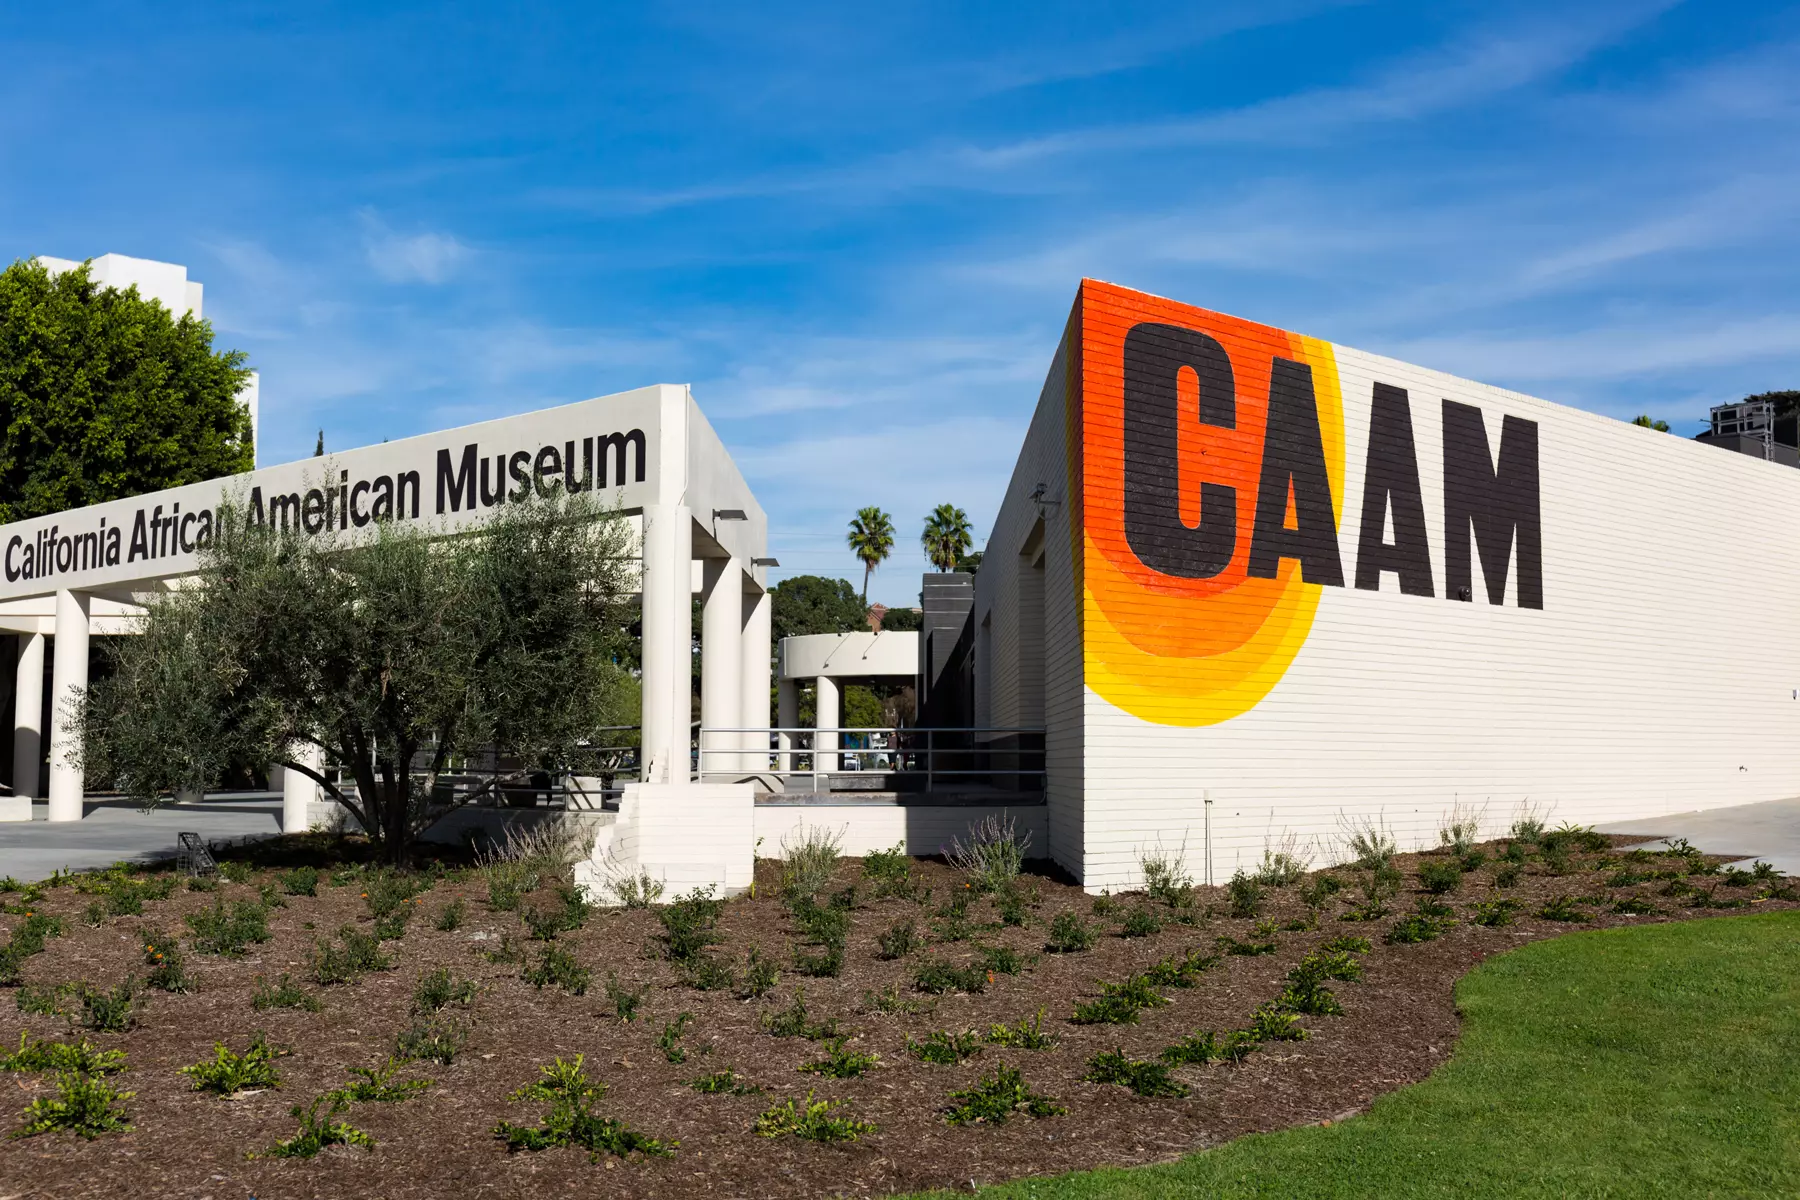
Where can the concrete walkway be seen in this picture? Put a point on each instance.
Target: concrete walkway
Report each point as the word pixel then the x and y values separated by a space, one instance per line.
pixel 116 829
pixel 1769 831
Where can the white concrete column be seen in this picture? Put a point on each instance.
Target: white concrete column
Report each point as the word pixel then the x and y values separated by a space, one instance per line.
pixel 299 790
pixel 753 709
pixel 68 680
pixel 722 660
pixel 787 715
pixel 668 641
pixel 28 715
pixel 825 716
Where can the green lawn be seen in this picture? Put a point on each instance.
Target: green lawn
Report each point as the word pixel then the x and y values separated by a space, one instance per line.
pixel 1662 1060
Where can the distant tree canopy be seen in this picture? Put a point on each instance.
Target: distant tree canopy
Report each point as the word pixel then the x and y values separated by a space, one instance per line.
pixel 1644 421
pixel 901 620
pixel 815 604
pixel 1786 403
pixel 105 395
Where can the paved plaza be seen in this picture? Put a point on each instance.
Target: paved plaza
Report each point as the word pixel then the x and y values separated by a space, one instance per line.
pixel 114 830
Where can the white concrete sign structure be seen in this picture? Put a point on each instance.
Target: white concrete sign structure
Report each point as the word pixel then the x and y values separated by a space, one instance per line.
pixel 650 453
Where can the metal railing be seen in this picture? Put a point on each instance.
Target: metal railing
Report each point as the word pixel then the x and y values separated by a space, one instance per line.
pixel 888 759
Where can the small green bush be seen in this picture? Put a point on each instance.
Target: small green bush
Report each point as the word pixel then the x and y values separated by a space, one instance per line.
pixel 1415 928
pixel 571 1121
pixel 1182 971
pixel 168 966
pixel 1562 908
pixel 450 917
pixel 1243 895
pixel 317 1132
pixel 625 1001
pixel 898 941
pixel 1323 887
pixel 1636 906
pixel 890 871
pixel 997 1097
pixel 229 930
pixel 1166 878
pixel 83 1057
pixel 708 973
pixel 809 856
pixel 375 1085
pixel 760 976
pixel 1280 869
pixel 1272 1024
pixel 285 994
pixel 814 1120
pixel 1069 934
pixel 107 1010
pixel 688 924
pixel 793 1021
pixel 945 1048
pixel 354 955
pixel 992 855
pixel 889 1000
pixel 1195 1048
pixel 85 1105
pixel 1023 1034
pixel 431 1039
pixel 1143 1078
pixel 301 881
pixel 669 1040
pixel 1495 913
pixel 1440 877
pixel 1002 960
pixel 1507 876
pixel 841 1063
pixel 1230 945
pixel 1140 922
pixel 937 977
pixel 722 1083
pixel 227 1074
pixel 439 988
pixel 557 966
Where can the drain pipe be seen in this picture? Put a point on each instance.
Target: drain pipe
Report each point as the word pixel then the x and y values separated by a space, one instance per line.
pixel 1206 807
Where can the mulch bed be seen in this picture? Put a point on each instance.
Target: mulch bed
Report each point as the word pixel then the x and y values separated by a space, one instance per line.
pixel 1399 1023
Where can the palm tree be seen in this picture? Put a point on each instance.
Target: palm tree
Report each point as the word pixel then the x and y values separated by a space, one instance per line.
pixel 946 538
pixel 871 537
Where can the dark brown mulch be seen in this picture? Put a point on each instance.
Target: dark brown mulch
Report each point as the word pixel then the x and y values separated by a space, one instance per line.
pixel 1399 1024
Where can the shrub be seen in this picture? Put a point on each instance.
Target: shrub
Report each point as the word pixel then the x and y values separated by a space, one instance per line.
pixel 635 891
pixel 228 1074
pixel 1195 1048
pixel 688 924
pixel 669 1040
pixel 317 1132
pixel 354 955
pixel 1011 905
pixel 1166 878
pixel 508 882
pixel 46 1002
pixel 1556 857
pixel 889 1000
pixel 1069 934
pixel 82 1057
pixel 1023 1034
pixel 953 924
pixel 1002 960
pixel 625 1001
pixel 1507 876
pixel 823 963
pixel 392 927
pixel 945 1048
pixel 760 976
pixel 1440 878
pixel 84 1104
pixel 1246 949
pixel 1272 1024
pixel 1370 843
pixel 1324 886
pixel 1529 826
pixel 1244 895
pixel 792 1021
pixel 993 854
pixel 937 978
pixel 372 1085
pixel 1495 913
pixel 898 941
pixel 890 871
pixel 722 1083
pixel 1282 867
pixel 1431 906
pixel 1182 972
pixel 229 931
pixel 840 1063
pixel 301 881
pixel 450 917
pixel 1144 1078
pixel 107 1010
pixel 1562 908
pixel 285 994
pixel 709 974
pixel 168 966
pixel 439 988
pixel 557 966
pixel 809 855
pixel 1635 906
pixel 814 1120
pixel 996 1097
pixel 1140 922
pixel 432 1039
pixel 1415 928
pixel 1461 829
pixel 1472 861
pixel 1345 944
pixel 1306 991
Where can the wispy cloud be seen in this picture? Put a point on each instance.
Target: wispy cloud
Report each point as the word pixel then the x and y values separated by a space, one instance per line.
pixel 426 257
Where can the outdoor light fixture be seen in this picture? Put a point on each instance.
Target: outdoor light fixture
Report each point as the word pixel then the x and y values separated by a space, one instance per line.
pixel 730 514
pixel 766 562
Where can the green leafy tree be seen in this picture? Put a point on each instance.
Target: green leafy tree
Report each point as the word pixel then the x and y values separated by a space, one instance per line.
pixel 947 536
pixel 393 655
pixel 1643 421
pixel 871 537
pixel 902 620
pixel 104 395
pixel 814 604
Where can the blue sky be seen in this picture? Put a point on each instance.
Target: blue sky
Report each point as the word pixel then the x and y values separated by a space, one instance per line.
pixel 857 233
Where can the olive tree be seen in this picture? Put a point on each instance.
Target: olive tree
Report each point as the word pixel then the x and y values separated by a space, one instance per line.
pixel 392 653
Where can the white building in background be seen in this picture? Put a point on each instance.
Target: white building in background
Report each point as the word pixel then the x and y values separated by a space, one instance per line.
pixel 167 284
